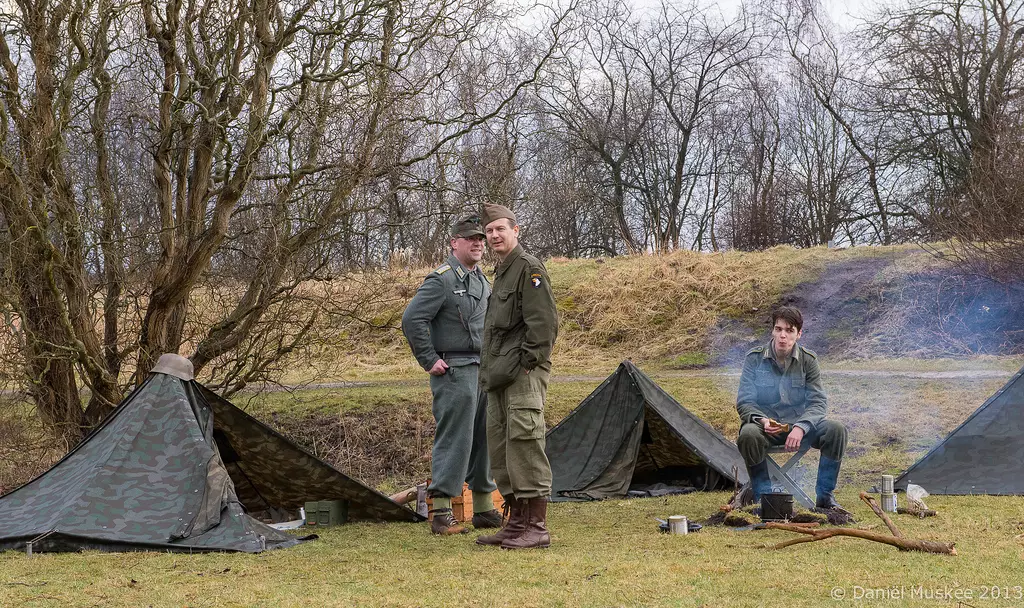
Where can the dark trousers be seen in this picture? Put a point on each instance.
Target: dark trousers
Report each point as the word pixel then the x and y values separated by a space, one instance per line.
pixel 460 437
pixel 829 437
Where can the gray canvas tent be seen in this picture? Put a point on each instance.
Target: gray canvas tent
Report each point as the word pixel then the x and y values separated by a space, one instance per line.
pixel 176 468
pixel 630 432
pixel 984 455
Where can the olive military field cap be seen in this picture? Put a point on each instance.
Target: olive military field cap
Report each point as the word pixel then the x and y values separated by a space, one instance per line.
pixel 497 212
pixel 468 227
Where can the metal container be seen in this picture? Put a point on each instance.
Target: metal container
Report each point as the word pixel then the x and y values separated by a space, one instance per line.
pixel 887 481
pixel 677 524
pixel 889 502
pixel 776 506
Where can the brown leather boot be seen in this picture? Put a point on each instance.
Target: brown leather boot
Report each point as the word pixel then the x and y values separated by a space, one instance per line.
pixel 513 527
pixel 536 533
pixel 445 524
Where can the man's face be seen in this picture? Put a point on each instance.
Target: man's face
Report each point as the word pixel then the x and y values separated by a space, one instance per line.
pixel 469 250
pixel 785 336
pixel 502 236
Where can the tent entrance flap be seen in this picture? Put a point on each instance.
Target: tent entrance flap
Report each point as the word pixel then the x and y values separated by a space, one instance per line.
pixel 616 478
pixel 666 460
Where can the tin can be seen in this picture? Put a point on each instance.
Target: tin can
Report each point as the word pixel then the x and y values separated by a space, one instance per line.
pixel 889 502
pixel 887 481
pixel 677 524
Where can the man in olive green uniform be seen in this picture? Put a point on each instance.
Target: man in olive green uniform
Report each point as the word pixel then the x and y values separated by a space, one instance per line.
pixel 444 326
pixel 781 402
pixel 519 332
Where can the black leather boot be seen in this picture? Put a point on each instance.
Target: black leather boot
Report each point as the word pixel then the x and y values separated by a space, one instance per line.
pixel 828 477
pixel 760 481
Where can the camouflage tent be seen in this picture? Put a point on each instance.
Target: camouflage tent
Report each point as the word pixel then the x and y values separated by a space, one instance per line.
pixel 176 468
pixel 629 432
pixel 984 455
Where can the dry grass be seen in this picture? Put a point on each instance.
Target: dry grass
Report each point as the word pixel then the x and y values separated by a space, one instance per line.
pixel 652 309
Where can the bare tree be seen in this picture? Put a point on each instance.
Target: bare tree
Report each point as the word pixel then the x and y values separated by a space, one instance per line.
pixel 257 135
pixel 602 97
pixel 951 72
pixel 690 57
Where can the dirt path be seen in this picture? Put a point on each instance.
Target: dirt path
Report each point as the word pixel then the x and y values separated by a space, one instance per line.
pixel 835 306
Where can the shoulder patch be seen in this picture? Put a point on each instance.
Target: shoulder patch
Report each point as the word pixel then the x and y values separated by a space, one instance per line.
pixel 535 278
pixel 809 352
pixel 756 349
pixel 443 268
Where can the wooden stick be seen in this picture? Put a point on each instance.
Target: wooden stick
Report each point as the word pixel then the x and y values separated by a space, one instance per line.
pixel 870 500
pixel 404 496
pixel 902 544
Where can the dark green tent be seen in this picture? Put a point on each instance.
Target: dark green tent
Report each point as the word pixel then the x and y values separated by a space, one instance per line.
pixel 984 455
pixel 630 432
pixel 175 468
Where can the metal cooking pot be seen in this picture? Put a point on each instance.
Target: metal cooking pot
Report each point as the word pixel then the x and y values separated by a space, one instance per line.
pixel 776 506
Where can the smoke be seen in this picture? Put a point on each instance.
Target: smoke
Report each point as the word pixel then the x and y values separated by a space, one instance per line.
pixel 865 309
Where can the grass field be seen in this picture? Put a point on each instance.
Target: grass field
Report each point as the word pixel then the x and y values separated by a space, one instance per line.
pixel 607 554
pixel 603 554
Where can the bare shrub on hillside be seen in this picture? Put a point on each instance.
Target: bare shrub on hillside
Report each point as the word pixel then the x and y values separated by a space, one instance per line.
pixel 384 445
pixel 935 315
pixel 26 450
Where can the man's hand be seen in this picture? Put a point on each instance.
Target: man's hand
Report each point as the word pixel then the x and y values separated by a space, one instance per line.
pixel 794 439
pixel 771 427
pixel 440 368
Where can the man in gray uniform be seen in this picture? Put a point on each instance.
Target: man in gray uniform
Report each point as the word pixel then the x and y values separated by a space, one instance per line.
pixel 781 402
pixel 444 326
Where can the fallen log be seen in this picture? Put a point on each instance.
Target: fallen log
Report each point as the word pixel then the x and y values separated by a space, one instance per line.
pixel 896 540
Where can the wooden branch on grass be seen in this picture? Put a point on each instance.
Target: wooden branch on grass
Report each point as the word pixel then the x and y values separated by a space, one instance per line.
pixel 870 500
pixel 897 540
pixel 903 544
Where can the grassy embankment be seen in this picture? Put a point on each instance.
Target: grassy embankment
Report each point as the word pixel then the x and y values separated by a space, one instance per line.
pixel 659 311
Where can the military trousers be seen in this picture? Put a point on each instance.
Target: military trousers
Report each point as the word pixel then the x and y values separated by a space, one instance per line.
pixel 829 437
pixel 515 436
pixel 460 435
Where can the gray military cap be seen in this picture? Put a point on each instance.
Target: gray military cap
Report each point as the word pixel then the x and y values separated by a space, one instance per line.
pixel 467 227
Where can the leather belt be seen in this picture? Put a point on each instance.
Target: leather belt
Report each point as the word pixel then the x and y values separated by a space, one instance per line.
pixel 459 353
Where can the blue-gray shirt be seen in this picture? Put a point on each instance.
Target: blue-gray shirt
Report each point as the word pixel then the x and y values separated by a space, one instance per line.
pixel 446 316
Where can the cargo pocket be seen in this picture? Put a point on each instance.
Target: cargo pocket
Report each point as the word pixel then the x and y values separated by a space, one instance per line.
pixel 525 417
pixel 504 305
